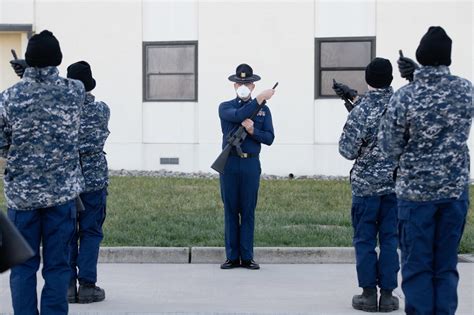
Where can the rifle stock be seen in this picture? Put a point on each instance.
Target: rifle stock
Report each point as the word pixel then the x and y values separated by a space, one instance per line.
pixel 219 163
pixel 14 249
pixel 348 104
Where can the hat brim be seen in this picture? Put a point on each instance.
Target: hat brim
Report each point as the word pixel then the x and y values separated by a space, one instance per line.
pixel 253 78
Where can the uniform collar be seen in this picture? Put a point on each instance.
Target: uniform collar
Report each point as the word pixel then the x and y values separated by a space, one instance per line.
pixel 427 72
pixel 382 91
pixel 89 98
pixel 240 101
pixel 42 74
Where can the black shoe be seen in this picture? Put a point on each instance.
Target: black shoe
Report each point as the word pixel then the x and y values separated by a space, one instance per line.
pixel 388 302
pixel 230 264
pixel 72 292
pixel 367 301
pixel 250 264
pixel 90 293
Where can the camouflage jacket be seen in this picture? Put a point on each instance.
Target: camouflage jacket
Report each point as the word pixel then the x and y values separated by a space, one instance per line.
pixel 39 136
pixel 426 129
pixel 372 173
pixel 92 136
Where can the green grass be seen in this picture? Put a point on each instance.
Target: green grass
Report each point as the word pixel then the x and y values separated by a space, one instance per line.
pixel 145 211
pixel 188 212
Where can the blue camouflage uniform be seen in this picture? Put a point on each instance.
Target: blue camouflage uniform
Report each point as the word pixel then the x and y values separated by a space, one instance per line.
pixel 374 205
pixel 426 129
pixel 92 136
pixel 241 178
pixel 39 136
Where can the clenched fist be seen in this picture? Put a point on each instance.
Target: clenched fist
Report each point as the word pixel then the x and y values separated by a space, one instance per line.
pixel 248 125
pixel 265 96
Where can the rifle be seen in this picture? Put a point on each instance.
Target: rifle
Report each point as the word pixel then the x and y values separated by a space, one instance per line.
pixel 14 54
pixel 410 76
pixel 235 140
pixel 347 102
pixel 14 249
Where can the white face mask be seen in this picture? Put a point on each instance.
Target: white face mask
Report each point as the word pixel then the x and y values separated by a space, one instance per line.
pixel 243 91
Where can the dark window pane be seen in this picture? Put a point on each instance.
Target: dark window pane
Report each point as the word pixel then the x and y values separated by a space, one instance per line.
pixel 353 78
pixel 171 87
pixel 345 54
pixel 171 59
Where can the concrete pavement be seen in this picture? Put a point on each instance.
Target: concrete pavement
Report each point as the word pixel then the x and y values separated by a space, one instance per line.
pixel 134 289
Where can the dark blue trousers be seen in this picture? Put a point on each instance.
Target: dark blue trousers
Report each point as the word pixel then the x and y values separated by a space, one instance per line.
pixel 53 227
pixel 239 191
pixel 376 217
pixel 86 242
pixel 430 233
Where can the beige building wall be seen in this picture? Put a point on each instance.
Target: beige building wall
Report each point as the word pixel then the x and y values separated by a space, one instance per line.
pixel 8 41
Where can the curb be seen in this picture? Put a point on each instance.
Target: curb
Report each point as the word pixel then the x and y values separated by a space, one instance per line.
pixel 144 255
pixel 216 255
pixel 280 255
pixel 466 258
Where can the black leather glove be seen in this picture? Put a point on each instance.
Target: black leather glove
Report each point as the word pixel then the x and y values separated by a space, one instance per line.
pixel 343 90
pixel 19 65
pixel 407 67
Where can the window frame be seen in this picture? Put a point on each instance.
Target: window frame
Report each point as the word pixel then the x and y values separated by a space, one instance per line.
pixel 317 59
pixel 146 75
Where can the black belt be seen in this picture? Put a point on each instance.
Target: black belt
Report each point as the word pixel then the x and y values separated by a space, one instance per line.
pixel 245 155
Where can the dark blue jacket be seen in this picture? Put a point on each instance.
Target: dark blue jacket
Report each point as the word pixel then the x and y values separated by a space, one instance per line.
pixel 232 113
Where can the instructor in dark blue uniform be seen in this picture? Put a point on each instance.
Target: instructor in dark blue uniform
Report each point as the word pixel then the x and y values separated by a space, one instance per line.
pixel 241 178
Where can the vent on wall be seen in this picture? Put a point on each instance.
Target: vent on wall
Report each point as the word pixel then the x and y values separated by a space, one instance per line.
pixel 169 161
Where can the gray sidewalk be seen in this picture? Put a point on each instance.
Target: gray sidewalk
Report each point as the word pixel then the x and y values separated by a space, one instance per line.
pixel 205 289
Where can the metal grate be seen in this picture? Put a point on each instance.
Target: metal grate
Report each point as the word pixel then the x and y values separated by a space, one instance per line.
pixel 169 161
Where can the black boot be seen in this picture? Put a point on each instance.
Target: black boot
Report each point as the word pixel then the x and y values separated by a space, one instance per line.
pixel 250 264
pixel 367 301
pixel 388 302
pixel 230 264
pixel 72 292
pixel 90 293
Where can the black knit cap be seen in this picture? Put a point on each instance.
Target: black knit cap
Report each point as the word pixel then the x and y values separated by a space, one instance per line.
pixel 434 48
pixel 82 71
pixel 43 50
pixel 378 73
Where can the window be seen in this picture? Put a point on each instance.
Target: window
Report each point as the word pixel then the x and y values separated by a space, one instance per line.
pixel 342 59
pixel 170 71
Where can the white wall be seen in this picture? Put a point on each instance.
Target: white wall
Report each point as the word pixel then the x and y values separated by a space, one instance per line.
pixel 170 129
pixel 455 16
pixel 234 32
pixel 107 34
pixel 337 19
pixel 394 34
pixel 17 11
pixel 275 37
